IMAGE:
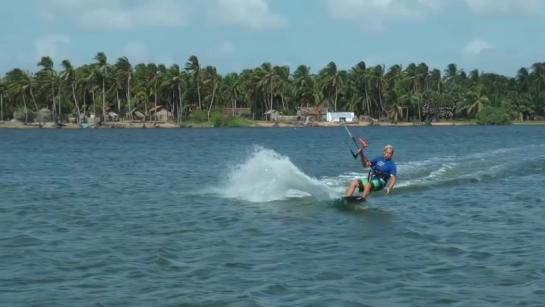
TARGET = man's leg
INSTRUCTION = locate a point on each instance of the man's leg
(352, 187)
(368, 188)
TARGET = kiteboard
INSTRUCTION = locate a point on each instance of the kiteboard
(353, 200)
(350, 203)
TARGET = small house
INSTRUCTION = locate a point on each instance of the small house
(338, 117)
(272, 115)
(112, 116)
(312, 113)
(160, 113)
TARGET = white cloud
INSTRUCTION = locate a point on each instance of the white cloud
(490, 7)
(130, 14)
(254, 14)
(125, 14)
(476, 46)
(381, 10)
(55, 46)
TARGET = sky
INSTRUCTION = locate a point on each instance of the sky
(497, 36)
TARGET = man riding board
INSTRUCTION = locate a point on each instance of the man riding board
(383, 173)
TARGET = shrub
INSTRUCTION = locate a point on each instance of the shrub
(199, 116)
(493, 116)
(217, 119)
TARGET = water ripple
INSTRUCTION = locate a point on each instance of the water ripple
(136, 220)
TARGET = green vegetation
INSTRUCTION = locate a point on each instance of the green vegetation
(493, 116)
(217, 119)
(197, 94)
(237, 122)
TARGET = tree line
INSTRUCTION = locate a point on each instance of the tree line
(411, 93)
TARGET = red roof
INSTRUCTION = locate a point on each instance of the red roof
(313, 110)
(156, 109)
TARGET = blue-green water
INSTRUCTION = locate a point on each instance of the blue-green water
(246, 217)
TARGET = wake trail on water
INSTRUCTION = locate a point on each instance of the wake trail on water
(485, 166)
(269, 176)
(478, 167)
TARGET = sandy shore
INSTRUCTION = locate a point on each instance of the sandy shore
(267, 124)
(257, 123)
(104, 125)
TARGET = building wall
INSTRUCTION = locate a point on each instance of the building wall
(336, 116)
(162, 115)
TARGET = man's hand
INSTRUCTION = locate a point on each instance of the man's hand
(388, 190)
(363, 145)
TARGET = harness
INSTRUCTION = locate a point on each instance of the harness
(371, 175)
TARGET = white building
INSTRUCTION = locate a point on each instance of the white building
(341, 117)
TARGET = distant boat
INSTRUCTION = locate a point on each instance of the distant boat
(85, 125)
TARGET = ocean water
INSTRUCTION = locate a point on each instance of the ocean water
(249, 217)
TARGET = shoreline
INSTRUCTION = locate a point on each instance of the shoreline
(253, 124)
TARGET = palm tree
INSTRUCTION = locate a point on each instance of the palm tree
(474, 76)
(377, 80)
(476, 100)
(359, 75)
(86, 75)
(266, 83)
(140, 93)
(331, 82)
(68, 76)
(435, 80)
(154, 74)
(48, 79)
(411, 75)
(253, 94)
(393, 84)
(116, 86)
(422, 76)
(451, 73)
(365, 90)
(520, 105)
(538, 79)
(124, 75)
(3, 89)
(21, 83)
(523, 80)
(102, 71)
(140, 88)
(211, 78)
(304, 86)
(283, 86)
(194, 67)
(232, 85)
(417, 80)
(395, 112)
(176, 81)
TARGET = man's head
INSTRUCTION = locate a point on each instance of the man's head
(388, 152)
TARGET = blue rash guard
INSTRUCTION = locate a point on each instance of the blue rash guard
(382, 170)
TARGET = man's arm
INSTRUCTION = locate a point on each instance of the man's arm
(364, 161)
(391, 183)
